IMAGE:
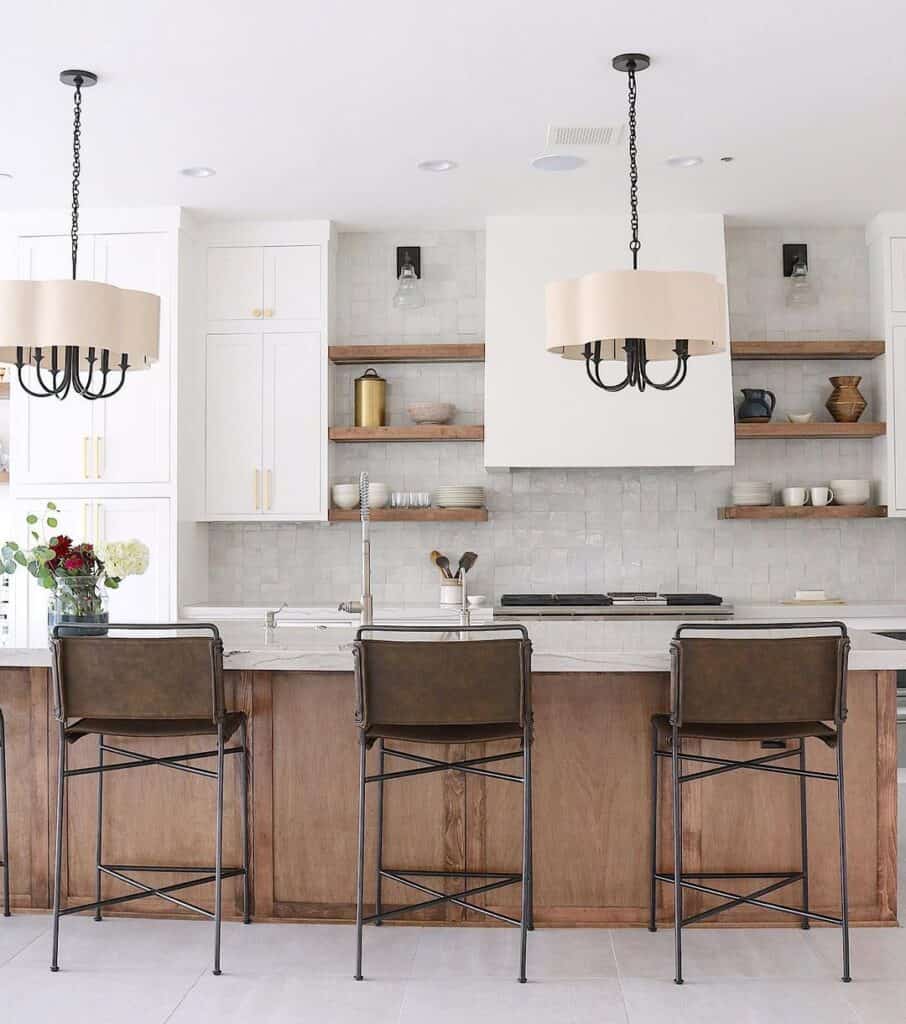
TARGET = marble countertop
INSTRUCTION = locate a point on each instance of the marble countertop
(572, 645)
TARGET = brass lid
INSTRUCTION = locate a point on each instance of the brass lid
(371, 374)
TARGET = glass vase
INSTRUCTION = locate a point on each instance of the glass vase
(80, 603)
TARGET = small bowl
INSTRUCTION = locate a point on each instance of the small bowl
(345, 495)
(851, 492)
(800, 417)
(431, 412)
(378, 495)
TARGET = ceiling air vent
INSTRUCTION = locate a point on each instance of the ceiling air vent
(585, 134)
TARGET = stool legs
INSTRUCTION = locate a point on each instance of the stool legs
(677, 858)
(844, 886)
(360, 863)
(100, 829)
(803, 813)
(218, 853)
(4, 853)
(244, 799)
(652, 897)
(526, 848)
(58, 860)
(379, 855)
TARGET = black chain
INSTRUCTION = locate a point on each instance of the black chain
(76, 171)
(635, 244)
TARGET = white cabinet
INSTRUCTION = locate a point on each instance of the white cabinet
(143, 598)
(272, 282)
(898, 275)
(264, 426)
(122, 439)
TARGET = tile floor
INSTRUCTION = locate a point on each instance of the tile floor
(158, 971)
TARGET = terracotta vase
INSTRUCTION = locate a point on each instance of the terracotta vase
(846, 403)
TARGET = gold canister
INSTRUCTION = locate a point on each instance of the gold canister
(370, 400)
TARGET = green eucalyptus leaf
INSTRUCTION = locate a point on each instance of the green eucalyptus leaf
(12, 545)
(20, 558)
(51, 522)
(34, 535)
(111, 582)
(31, 519)
(52, 506)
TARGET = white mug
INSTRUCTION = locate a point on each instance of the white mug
(821, 496)
(794, 496)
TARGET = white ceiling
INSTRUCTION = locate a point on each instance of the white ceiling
(323, 109)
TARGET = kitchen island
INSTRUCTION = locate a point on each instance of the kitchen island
(596, 686)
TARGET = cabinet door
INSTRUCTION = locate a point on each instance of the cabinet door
(144, 598)
(293, 424)
(233, 424)
(235, 282)
(51, 442)
(898, 275)
(292, 282)
(131, 437)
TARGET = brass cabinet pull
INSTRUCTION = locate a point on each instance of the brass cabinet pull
(257, 489)
(256, 312)
(85, 457)
(97, 523)
(98, 449)
(85, 520)
(268, 312)
(267, 490)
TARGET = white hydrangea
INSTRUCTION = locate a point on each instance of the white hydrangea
(124, 558)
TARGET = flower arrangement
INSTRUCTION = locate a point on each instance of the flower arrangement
(75, 573)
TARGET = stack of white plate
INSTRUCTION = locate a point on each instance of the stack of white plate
(752, 493)
(459, 497)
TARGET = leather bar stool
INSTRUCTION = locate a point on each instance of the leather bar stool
(725, 687)
(443, 691)
(4, 825)
(164, 686)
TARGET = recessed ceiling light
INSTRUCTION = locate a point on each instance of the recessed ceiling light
(437, 165)
(557, 162)
(6, 175)
(683, 161)
(198, 172)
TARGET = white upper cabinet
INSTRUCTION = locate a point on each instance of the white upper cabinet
(233, 458)
(293, 449)
(235, 282)
(132, 429)
(272, 282)
(898, 275)
(122, 439)
(542, 410)
(266, 377)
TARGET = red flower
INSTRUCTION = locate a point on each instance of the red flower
(61, 547)
(73, 563)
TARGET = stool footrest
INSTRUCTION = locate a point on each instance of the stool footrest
(499, 880)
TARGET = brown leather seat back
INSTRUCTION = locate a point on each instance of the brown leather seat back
(129, 677)
(759, 679)
(448, 682)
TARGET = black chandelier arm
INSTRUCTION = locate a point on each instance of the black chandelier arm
(593, 359)
(68, 378)
(679, 374)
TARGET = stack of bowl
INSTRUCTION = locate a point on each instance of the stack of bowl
(752, 493)
(459, 496)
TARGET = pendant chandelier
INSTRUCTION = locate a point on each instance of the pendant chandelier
(636, 316)
(76, 337)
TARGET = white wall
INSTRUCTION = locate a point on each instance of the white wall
(541, 410)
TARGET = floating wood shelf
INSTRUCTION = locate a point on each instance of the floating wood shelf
(809, 430)
(802, 512)
(470, 353)
(419, 432)
(806, 349)
(4, 390)
(412, 515)
(4, 476)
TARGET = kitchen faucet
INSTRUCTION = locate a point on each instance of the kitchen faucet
(365, 606)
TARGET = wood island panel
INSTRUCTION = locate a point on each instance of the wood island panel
(592, 803)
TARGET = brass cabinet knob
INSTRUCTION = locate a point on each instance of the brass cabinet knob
(256, 312)
(268, 312)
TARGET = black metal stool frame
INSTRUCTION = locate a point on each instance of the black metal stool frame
(681, 880)
(470, 766)
(176, 762)
(4, 825)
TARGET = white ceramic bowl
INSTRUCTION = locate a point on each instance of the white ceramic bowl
(851, 492)
(378, 495)
(431, 412)
(800, 417)
(345, 495)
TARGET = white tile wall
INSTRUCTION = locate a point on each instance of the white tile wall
(575, 530)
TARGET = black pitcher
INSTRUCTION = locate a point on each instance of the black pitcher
(758, 404)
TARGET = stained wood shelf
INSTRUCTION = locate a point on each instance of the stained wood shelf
(806, 349)
(802, 512)
(412, 515)
(435, 353)
(802, 431)
(418, 432)
(4, 390)
(4, 476)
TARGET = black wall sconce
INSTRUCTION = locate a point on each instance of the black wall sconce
(795, 266)
(409, 294)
